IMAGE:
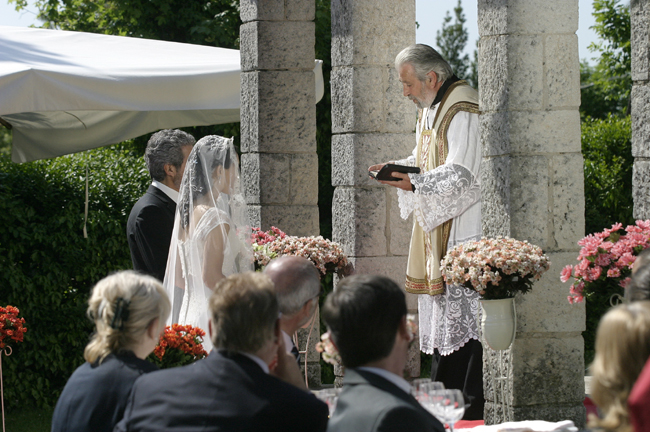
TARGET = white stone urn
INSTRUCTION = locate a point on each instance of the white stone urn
(498, 322)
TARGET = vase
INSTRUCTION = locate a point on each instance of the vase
(498, 322)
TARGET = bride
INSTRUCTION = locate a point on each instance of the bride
(211, 232)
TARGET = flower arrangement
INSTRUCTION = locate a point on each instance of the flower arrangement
(327, 256)
(179, 345)
(496, 268)
(12, 328)
(331, 355)
(608, 255)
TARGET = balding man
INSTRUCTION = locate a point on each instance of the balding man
(297, 285)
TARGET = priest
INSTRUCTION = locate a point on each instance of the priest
(445, 200)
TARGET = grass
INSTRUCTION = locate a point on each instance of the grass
(29, 420)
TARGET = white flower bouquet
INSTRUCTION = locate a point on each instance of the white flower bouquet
(327, 256)
(496, 268)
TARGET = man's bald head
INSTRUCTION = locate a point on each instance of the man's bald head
(296, 281)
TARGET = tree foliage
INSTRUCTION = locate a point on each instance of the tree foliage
(451, 41)
(606, 87)
(214, 22)
(606, 148)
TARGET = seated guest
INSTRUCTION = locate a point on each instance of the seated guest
(639, 286)
(129, 311)
(366, 317)
(622, 350)
(297, 285)
(639, 401)
(231, 389)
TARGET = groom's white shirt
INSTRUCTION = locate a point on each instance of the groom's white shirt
(171, 193)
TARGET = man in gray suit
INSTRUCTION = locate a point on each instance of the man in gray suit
(366, 317)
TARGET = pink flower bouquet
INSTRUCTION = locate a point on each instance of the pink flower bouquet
(327, 256)
(606, 255)
(496, 268)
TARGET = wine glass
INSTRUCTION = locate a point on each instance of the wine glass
(416, 385)
(422, 390)
(330, 397)
(448, 406)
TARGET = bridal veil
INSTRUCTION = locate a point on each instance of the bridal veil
(211, 236)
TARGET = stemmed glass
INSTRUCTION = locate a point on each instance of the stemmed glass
(330, 397)
(448, 406)
(416, 385)
(421, 389)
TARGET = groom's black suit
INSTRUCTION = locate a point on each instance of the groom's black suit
(149, 232)
(371, 403)
(224, 392)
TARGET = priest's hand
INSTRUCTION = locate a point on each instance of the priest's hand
(376, 167)
(404, 182)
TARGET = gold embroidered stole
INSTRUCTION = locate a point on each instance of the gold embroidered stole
(423, 274)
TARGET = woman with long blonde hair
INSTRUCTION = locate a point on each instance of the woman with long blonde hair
(129, 311)
(622, 349)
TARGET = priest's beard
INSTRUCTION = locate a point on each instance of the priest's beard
(425, 101)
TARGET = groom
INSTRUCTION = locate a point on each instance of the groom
(150, 224)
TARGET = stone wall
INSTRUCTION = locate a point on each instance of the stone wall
(371, 123)
(532, 186)
(640, 107)
(279, 163)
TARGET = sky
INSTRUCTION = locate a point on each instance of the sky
(429, 14)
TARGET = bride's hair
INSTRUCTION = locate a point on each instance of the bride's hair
(122, 306)
(209, 153)
(622, 349)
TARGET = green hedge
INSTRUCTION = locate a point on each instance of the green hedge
(47, 267)
(607, 150)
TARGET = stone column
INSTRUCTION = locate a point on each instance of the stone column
(279, 164)
(532, 186)
(639, 10)
(371, 123)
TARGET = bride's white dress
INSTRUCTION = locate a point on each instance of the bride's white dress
(194, 306)
(210, 198)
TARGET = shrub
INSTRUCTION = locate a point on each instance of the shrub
(607, 152)
(47, 267)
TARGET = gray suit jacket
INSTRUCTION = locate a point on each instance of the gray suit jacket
(370, 403)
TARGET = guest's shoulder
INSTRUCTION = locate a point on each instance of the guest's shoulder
(163, 377)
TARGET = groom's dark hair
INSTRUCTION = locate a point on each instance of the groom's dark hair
(363, 315)
(244, 312)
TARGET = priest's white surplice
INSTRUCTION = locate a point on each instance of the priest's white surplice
(451, 191)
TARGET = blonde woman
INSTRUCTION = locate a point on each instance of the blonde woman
(622, 349)
(129, 311)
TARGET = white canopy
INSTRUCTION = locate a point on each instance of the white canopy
(63, 92)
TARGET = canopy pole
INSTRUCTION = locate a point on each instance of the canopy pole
(86, 205)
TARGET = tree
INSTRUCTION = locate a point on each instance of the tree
(606, 87)
(214, 23)
(451, 41)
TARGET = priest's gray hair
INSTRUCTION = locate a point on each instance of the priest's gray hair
(424, 59)
(164, 147)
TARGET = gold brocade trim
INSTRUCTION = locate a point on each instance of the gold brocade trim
(443, 147)
(423, 286)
